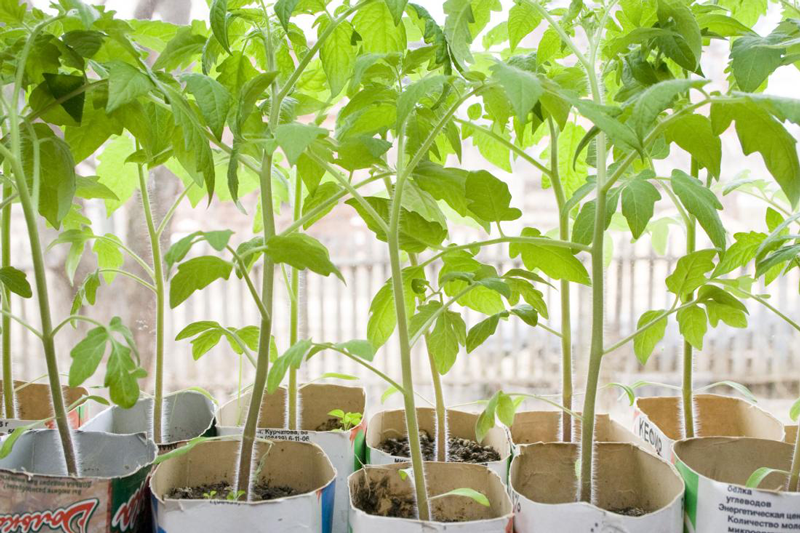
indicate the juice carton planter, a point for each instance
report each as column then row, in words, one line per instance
column 187, row 414
column 659, row 421
column 392, row 424
column 441, row 478
column 716, row 469
column 543, row 486
column 37, row 495
column 545, row 426
column 300, row 465
column 344, row 448
column 33, row 403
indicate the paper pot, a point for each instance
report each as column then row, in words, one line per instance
column 345, row 449
column 791, row 434
column 302, row 466
column 441, row 478
column 187, row 414
column 36, row 495
column 543, row 486
column 658, row 421
column 392, row 424
column 716, row 469
column 545, row 426
column 33, row 403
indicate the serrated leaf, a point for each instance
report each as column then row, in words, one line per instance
column 212, row 98
column 522, row 88
column 638, row 201
column 219, row 22
column 522, row 20
column 443, row 342
column 481, row 331
column 645, row 342
column 694, row 134
column 293, row 357
column 196, row 274
column 701, row 203
column 689, row 273
column 489, row 197
column 415, row 92
column 16, row 281
column 693, row 324
column 302, row 252
column 338, row 56
column 554, row 261
column 656, row 99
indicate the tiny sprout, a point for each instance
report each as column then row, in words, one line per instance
column 234, row 495
column 347, row 420
column 209, row 495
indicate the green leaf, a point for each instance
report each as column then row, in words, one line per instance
column 294, row 138
column 443, row 342
column 690, row 272
column 481, row 331
column 61, row 85
column 293, row 357
column 638, row 201
column 583, row 230
column 122, row 376
column 526, row 313
column 196, row 274
column 396, row 7
column 753, row 59
column 338, row 56
column 459, row 16
column 620, row 134
column 109, row 255
column 284, row 10
column 302, row 252
column 523, row 88
column 757, row 478
column 489, row 197
column 87, row 355
column 415, row 92
column 90, row 188
column 740, row 253
column 382, row 314
column 694, row 134
column 554, row 261
column 760, row 132
column 780, row 256
column 375, row 23
column 738, row 387
column 655, row 99
column 358, row 347
column 700, row 202
column 472, row 494
column 686, row 48
column 212, row 98
column 56, row 174
column 219, row 22
column 416, row 233
column 522, row 20
column 125, row 84
column 645, row 342
column 794, row 412
column 180, row 50
column 693, row 324
column 733, row 317
column 16, row 281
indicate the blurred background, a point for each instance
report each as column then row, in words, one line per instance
column 764, row 357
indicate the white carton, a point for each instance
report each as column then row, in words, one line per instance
column 345, row 449
column 302, row 466
column 716, row 469
column 543, row 485
column 392, row 424
column 441, row 478
column 187, row 414
column 37, row 495
column 658, row 421
column 530, row 427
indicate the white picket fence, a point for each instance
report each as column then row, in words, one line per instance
column 517, row 357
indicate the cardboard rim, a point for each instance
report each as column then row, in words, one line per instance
column 701, row 397
column 157, row 496
column 220, row 414
column 604, row 423
column 372, row 445
column 682, row 445
column 212, row 410
column 502, row 519
column 149, row 450
column 598, row 446
column 41, row 392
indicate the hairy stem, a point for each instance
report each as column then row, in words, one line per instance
column 794, row 474
column 688, row 350
column 412, row 426
column 566, row 326
column 158, row 278
column 5, row 245
column 294, row 318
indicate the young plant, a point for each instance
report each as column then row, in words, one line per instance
column 40, row 172
column 347, row 420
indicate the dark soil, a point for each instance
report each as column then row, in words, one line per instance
column 261, row 492
column 377, row 500
column 332, row 424
column 629, row 511
column 458, row 450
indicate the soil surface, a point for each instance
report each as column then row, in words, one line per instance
column 629, row 511
column 458, row 450
column 376, row 499
column 332, row 424
column 261, row 492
